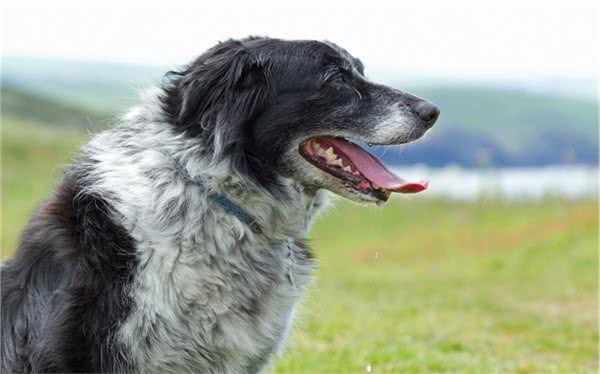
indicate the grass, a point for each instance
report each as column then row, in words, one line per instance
column 31, row 158
column 418, row 286
column 425, row 286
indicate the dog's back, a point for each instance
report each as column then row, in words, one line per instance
column 27, row 284
column 63, row 293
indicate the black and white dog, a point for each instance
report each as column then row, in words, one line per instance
column 174, row 242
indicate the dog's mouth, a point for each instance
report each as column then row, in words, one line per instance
column 356, row 168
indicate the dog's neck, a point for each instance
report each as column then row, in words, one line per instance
column 290, row 216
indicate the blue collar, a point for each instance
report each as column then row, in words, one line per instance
column 232, row 208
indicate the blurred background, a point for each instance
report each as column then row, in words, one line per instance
column 493, row 269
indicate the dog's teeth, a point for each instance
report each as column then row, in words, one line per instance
column 336, row 161
column 330, row 155
column 321, row 152
column 347, row 169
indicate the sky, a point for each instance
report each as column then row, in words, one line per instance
column 468, row 39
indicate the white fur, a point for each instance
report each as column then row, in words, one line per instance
column 198, row 264
column 394, row 127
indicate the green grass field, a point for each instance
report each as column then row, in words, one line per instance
column 419, row 286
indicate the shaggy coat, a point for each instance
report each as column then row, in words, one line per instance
column 131, row 265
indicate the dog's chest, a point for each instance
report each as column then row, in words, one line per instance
column 221, row 305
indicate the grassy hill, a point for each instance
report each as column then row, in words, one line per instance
column 95, row 86
column 510, row 117
column 487, row 126
column 31, row 108
column 32, row 156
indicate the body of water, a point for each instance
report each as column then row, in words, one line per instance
column 511, row 183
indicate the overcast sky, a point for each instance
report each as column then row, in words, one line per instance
column 472, row 39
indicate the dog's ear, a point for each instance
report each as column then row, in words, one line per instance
column 220, row 95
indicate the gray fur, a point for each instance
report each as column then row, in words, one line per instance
column 211, row 295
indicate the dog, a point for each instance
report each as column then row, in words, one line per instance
column 174, row 242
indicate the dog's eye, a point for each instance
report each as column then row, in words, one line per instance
column 338, row 78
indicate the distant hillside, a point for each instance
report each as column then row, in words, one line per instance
column 445, row 147
column 480, row 124
column 33, row 108
column 508, row 116
column 97, row 86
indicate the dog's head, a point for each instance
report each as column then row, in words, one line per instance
column 293, row 109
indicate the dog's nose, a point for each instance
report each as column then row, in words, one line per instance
column 427, row 112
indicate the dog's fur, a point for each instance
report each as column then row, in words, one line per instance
column 130, row 266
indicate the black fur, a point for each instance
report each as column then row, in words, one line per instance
column 219, row 95
column 67, row 288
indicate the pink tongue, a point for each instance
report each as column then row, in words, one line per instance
column 373, row 169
